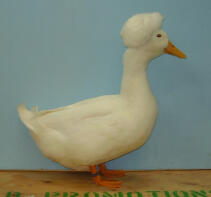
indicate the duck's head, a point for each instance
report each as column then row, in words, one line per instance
column 143, row 31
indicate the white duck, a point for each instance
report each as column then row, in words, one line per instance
column 97, row 130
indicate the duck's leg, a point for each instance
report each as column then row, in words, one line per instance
column 99, row 181
column 111, row 173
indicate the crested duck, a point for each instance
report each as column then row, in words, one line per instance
column 91, row 132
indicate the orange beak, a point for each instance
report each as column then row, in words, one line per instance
column 171, row 49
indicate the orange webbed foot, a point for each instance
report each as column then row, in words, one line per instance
column 106, row 183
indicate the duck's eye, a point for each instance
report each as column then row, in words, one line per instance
column 159, row 35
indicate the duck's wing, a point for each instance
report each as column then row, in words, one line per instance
column 66, row 119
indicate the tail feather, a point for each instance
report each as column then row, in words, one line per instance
column 25, row 115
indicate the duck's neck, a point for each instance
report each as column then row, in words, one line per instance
column 135, row 86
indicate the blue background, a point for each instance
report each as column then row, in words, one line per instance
column 54, row 53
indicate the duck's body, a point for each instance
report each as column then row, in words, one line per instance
column 91, row 132
column 96, row 130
